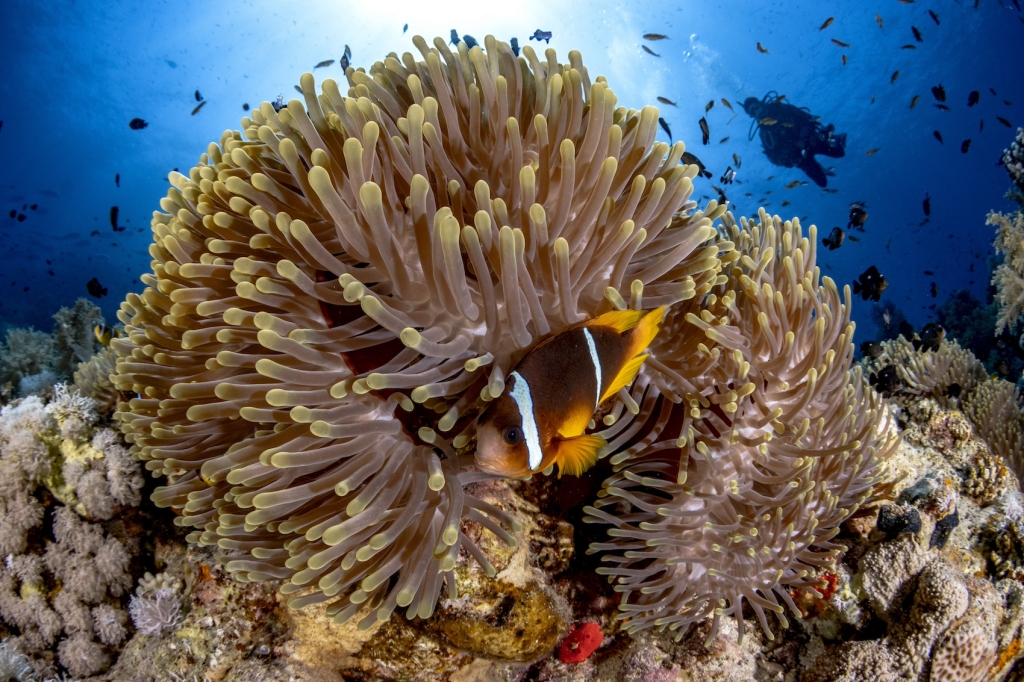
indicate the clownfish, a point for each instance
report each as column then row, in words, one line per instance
column 541, row 417
column 104, row 333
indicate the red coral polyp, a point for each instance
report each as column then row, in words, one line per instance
column 580, row 643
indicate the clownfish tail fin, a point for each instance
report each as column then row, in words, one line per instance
column 576, row 455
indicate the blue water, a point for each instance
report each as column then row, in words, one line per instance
column 75, row 73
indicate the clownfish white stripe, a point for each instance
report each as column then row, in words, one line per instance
column 597, row 364
column 520, row 393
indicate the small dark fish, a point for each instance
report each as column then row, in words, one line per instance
column 935, row 17
column 724, row 140
column 1004, row 121
column 932, row 335
column 95, row 289
column 872, row 152
column 795, row 183
column 964, row 146
column 942, row 107
column 879, row 21
column 539, row 35
column 981, row 126
column 937, row 135
column 113, row 218
column 834, row 239
column 666, row 100
column 655, row 36
column 1007, row 102
column 871, row 349
column 736, row 160
column 726, row 103
column 917, row 34
column 887, row 381
column 767, row 121
column 728, row 176
column 514, row 44
column 199, row 98
column 297, row 89
column 326, row 62
column 692, row 160
column 828, row 22
column 908, row 47
column 939, row 92
column 780, row 98
column 927, row 204
column 895, row 75
column 650, row 51
column 405, row 28
column 993, row 91
column 844, row 60
column 870, row 284
column 664, row 126
column 914, row 100
column 934, row 289
column 470, row 41
column 245, row 106
column 709, row 106
column 203, row 104
column 858, row 216
column 137, row 124
column 454, row 40
column 21, row 217
column 954, row 390
column 929, row 273
column 762, row 49
column 117, row 180
column 705, row 133
column 347, row 52
column 840, row 43
column 14, row 212
column 972, row 98
column 830, row 191
column 344, row 63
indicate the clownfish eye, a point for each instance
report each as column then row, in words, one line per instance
column 513, row 435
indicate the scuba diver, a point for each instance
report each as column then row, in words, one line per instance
column 791, row 136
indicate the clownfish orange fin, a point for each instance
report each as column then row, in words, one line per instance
column 624, row 377
column 576, row 455
column 642, row 333
column 619, row 320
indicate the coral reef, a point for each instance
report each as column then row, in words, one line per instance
column 339, row 287
column 1013, row 160
column 1008, row 278
column 777, row 444
column 73, row 338
column 24, row 353
column 92, row 378
column 64, row 580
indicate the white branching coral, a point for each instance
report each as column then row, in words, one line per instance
column 739, row 487
column 339, row 288
column 73, row 412
column 1008, row 278
column 1013, row 159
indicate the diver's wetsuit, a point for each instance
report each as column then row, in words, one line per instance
column 795, row 137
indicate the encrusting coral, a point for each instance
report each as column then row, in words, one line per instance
column 340, row 286
column 776, row 442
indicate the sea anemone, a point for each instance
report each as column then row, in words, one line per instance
column 338, row 288
column 738, row 489
column 931, row 373
column 994, row 408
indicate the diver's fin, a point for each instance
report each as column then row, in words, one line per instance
column 576, row 455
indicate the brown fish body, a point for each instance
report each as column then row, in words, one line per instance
column 198, row 107
column 550, row 398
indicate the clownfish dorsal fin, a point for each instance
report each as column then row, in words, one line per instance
column 576, row 455
column 619, row 320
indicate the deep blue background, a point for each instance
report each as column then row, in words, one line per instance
column 75, row 73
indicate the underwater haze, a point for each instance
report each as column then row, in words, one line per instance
column 77, row 73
